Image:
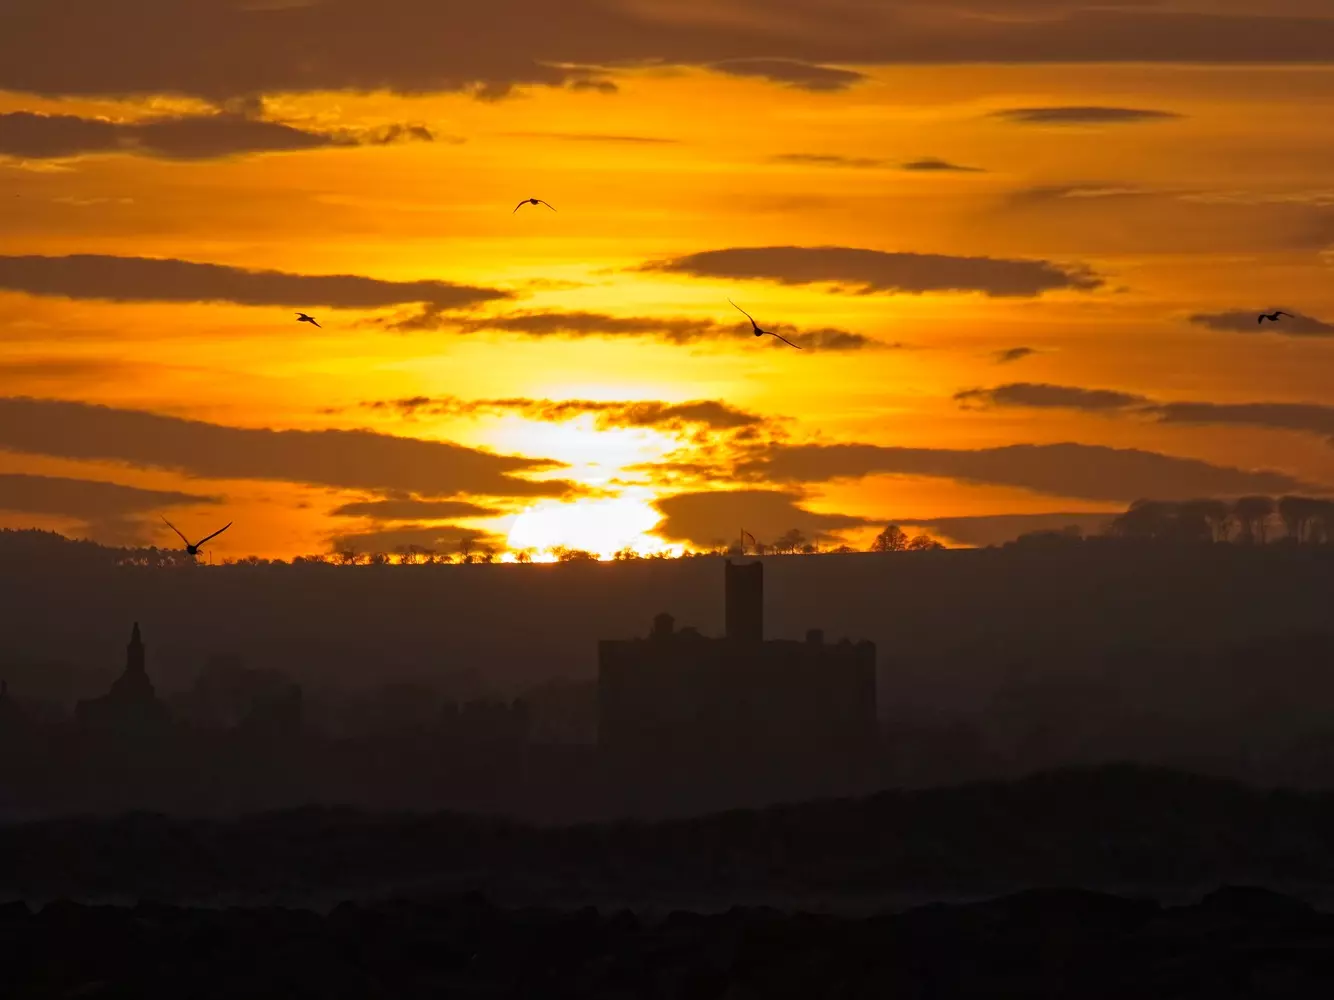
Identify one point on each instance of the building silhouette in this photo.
(131, 706)
(687, 722)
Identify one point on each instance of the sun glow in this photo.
(602, 527)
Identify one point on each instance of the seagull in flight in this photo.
(303, 318)
(1273, 316)
(193, 550)
(758, 331)
(531, 201)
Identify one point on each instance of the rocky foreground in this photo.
(1235, 942)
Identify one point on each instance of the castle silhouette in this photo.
(701, 722)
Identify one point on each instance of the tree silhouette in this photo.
(1143, 519)
(923, 543)
(892, 539)
(564, 554)
(1219, 517)
(1252, 514)
(790, 541)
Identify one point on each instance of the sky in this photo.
(1021, 244)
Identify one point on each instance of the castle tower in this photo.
(744, 601)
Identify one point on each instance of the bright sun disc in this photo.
(602, 527)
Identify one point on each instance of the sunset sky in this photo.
(1022, 243)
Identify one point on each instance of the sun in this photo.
(602, 527)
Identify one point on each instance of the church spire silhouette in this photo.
(134, 652)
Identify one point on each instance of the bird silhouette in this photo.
(303, 318)
(1273, 316)
(193, 550)
(758, 331)
(531, 201)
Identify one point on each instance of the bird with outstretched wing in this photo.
(758, 331)
(533, 201)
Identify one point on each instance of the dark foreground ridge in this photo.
(1235, 942)
(1115, 829)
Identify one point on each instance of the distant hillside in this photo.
(945, 622)
(1109, 828)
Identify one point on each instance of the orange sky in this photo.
(1122, 221)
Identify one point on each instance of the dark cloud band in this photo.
(361, 460)
(147, 279)
(879, 271)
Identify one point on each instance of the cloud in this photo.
(710, 413)
(408, 509)
(86, 499)
(931, 164)
(1012, 354)
(1082, 471)
(192, 137)
(1101, 217)
(703, 518)
(676, 330)
(51, 368)
(827, 160)
(1244, 321)
(997, 529)
(592, 137)
(791, 72)
(1036, 394)
(1311, 418)
(149, 279)
(220, 49)
(589, 324)
(1081, 115)
(443, 539)
(357, 459)
(878, 271)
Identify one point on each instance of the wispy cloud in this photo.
(673, 329)
(151, 279)
(1245, 321)
(650, 140)
(931, 164)
(657, 414)
(190, 137)
(791, 72)
(108, 512)
(1035, 394)
(828, 160)
(704, 518)
(880, 271)
(1081, 115)
(1311, 418)
(1081, 471)
(1012, 354)
(412, 509)
(349, 459)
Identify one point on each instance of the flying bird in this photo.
(531, 201)
(193, 550)
(758, 331)
(1273, 316)
(303, 318)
